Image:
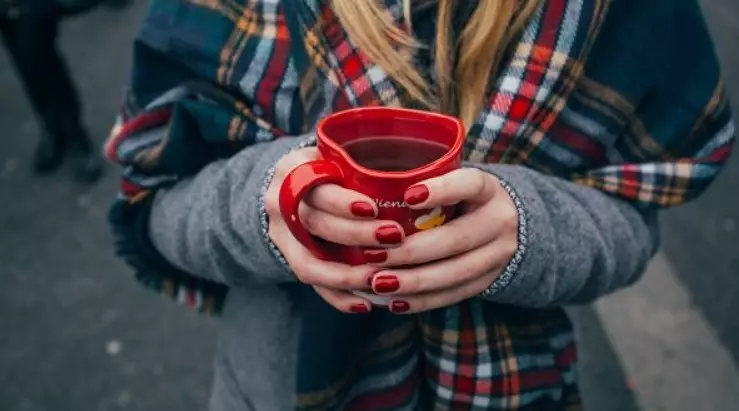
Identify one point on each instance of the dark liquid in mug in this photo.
(394, 153)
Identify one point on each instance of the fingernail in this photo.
(359, 309)
(375, 256)
(362, 209)
(388, 234)
(417, 194)
(385, 284)
(399, 307)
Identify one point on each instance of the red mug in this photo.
(379, 152)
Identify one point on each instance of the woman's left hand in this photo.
(459, 259)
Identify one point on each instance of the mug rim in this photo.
(449, 156)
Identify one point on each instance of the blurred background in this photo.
(77, 333)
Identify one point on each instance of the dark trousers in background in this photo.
(31, 42)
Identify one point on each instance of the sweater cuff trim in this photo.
(514, 264)
(264, 218)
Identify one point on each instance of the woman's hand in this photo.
(457, 260)
(337, 215)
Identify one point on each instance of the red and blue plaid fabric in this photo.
(593, 92)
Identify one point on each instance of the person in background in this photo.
(29, 30)
(584, 119)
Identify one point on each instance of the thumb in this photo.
(464, 185)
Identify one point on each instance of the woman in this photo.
(584, 119)
(29, 30)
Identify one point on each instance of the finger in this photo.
(293, 159)
(430, 301)
(339, 230)
(286, 164)
(342, 202)
(311, 270)
(344, 301)
(466, 184)
(444, 274)
(456, 237)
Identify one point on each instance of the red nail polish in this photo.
(385, 284)
(388, 234)
(359, 309)
(362, 209)
(375, 256)
(416, 194)
(399, 307)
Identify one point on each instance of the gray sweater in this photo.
(580, 244)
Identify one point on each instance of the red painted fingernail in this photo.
(416, 194)
(385, 284)
(375, 256)
(388, 234)
(359, 309)
(399, 307)
(362, 209)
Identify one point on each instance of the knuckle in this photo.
(289, 161)
(416, 284)
(442, 188)
(511, 246)
(271, 203)
(309, 220)
(510, 217)
(300, 274)
(461, 242)
(410, 283)
(278, 176)
(325, 197)
(333, 203)
(308, 153)
(343, 281)
(359, 235)
(305, 274)
(319, 193)
(480, 181)
(282, 167)
(347, 234)
(407, 253)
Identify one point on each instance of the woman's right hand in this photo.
(335, 214)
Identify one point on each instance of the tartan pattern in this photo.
(164, 100)
(476, 361)
(354, 80)
(472, 356)
(552, 109)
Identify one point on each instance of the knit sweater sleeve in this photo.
(576, 243)
(214, 226)
(590, 231)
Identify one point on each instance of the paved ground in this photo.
(677, 332)
(709, 229)
(78, 334)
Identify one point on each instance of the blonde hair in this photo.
(461, 87)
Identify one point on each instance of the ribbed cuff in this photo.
(513, 266)
(515, 263)
(263, 217)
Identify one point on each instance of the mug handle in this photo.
(296, 185)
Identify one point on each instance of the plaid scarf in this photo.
(564, 104)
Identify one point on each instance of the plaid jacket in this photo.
(594, 92)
